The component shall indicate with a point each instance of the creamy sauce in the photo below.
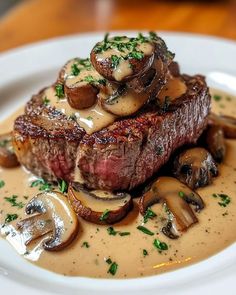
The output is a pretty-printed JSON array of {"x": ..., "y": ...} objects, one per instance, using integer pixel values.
[
  {"x": 91, "y": 119},
  {"x": 124, "y": 68},
  {"x": 214, "y": 231}
]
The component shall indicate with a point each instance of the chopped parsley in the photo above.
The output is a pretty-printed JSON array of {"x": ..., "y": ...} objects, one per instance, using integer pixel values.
[
  {"x": 4, "y": 142},
  {"x": 124, "y": 233},
  {"x": 224, "y": 199},
  {"x": 181, "y": 194},
  {"x": 13, "y": 202},
  {"x": 85, "y": 245},
  {"x": 59, "y": 91},
  {"x": 102, "y": 81},
  {"x": 149, "y": 214},
  {"x": 113, "y": 232},
  {"x": 145, "y": 252},
  {"x": 63, "y": 186},
  {"x": 89, "y": 118},
  {"x": 10, "y": 217},
  {"x": 104, "y": 215},
  {"x": 217, "y": 97},
  {"x": 115, "y": 60},
  {"x": 42, "y": 184},
  {"x": 145, "y": 230},
  {"x": 75, "y": 70},
  {"x": 113, "y": 268},
  {"x": 2, "y": 183},
  {"x": 89, "y": 79},
  {"x": 162, "y": 246},
  {"x": 46, "y": 101},
  {"x": 108, "y": 261}
]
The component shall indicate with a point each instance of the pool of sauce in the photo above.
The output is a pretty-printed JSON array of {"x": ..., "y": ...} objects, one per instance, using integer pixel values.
[{"x": 213, "y": 233}]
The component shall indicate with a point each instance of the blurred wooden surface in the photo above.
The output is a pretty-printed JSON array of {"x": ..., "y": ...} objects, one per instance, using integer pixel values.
[{"x": 34, "y": 20}]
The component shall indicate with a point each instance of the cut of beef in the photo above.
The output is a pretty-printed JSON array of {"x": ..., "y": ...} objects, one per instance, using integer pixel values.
[{"x": 118, "y": 157}]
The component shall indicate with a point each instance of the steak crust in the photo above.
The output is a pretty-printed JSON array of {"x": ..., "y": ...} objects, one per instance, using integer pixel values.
[{"x": 118, "y": 157}]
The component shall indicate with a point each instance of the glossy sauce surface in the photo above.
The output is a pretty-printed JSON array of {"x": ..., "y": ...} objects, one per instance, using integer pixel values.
[{"x": 213, "y": 232}]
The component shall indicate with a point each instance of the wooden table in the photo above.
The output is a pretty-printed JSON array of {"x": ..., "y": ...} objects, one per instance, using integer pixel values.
[{"x": 34, "y": 20}]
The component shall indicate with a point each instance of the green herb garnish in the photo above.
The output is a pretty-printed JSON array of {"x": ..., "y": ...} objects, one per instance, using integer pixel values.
[
  {"x": 217, "y": 97},
  {"x": 59, "y": 91},
  {"x": 108, "y": 261},
  {"x": 46, "y": 101},
  {"x": 43, "y": 185},
  {"x": 2, "y": 183},
  {"x": 4, "y": 142},
  {"x": 225, "y": 199},
  {"x": 124, "y": 233},
  {"x": 111, "y": 231},
  {"x": 145, "y": 230},
  {"x": 89, "y": 79},
  {"x": 115, "y": 60},
  {"x": 10, "y": 217},
  {"x": 149, "y": 214},
  {"x": 104, "y": 215},
  {"x": 113, "y": 268},
  {"x": 162, "y": 246},
  {"x": 13, "y": 202},
  {"x": 85, "y": 244},
  {"x": 145, "y": 252},
  {"x": 63, "y": 186},
  {"x": 89, "y": 118},
  {"x": 181, "y": 194},
  {"x": 75, "y": 70}
]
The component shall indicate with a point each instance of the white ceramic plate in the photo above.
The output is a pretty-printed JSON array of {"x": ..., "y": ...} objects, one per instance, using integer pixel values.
[{"x": 23, "y": 72}]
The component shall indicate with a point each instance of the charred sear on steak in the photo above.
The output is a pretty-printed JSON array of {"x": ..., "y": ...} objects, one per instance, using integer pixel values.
[{"x": 130, "y": 150}]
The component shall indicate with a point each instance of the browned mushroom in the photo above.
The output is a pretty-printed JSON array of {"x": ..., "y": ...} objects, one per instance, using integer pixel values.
[
  {"x": 81, "y": 83},
  {"x": 120, "y": 58},
  {"x": 8, "y": 158},
  {"x": 215, "y": 142},
  {"x": 175, "y": 196},
  {"x": 100, "y": 207},
  {"x": 195, "y": 167},
  {"x": 227, "y": 123},
  {"x": 53, "y": 215}
]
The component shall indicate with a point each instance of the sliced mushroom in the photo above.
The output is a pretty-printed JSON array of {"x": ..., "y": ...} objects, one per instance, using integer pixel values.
[
  {"x": 8, "y": 158},
  {"x": 120, "y": 59},
  {"x": 195, "y": 167},
  {"x": 81, "y": 83},
  {"x": 128, "y": 99},
  {"x": 54, "y": 215},
  {"x": 215, "y": 142},
  {"x": 100, "y": 207},
  {"x": 175, "y": 196},
  {"x": 227, "y": 123}
]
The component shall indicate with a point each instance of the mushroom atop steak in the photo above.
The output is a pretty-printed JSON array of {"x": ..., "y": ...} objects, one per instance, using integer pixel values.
[
  {"x": 195, "y": 167},
  {"x": 175, "y": 196},
  {"x": 53, "y": 215}
]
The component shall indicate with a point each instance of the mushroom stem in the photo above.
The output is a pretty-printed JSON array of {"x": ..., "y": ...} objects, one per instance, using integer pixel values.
[
  {"x": 215, "y": 142},
  {"x": 227, "y": 123}
]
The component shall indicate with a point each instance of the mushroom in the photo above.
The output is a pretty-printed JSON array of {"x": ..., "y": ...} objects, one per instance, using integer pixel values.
[
  {"x": 227, "y": 123},
  {"x": 195, "y": 167},
  {"x": 53, "y": 215},
  {"x": 8, "y": 158},
  {"x": 175, "y": 196},
  {"x": 127, "y": 99},
  {"x": 120, "y": 58},
  {"x": 81, "y": 83},
  {"x": 215, "y": 142},
  {"x": 97, "y": 206}
]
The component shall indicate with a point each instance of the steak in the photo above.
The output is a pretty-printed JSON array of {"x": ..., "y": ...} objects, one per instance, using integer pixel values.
[{"x": 118, "y": 157}]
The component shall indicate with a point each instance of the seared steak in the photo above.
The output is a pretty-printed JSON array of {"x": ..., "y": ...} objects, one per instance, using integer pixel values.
[{"x": 118, "y": 157}]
